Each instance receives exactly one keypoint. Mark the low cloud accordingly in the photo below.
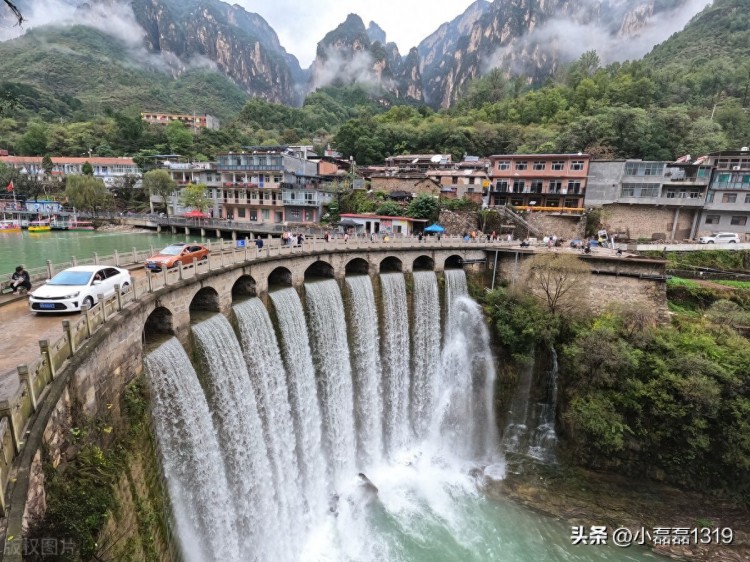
(358, 69)
(618, 32)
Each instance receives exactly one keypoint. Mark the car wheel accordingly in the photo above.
(177, 264)
(710, 242)
(204, 258)
(125, 288)
(89, 301)
(733, 241)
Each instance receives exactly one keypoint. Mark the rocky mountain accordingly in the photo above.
(352, 53)
(533, 37)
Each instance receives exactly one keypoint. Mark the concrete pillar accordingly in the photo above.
(674, 222)
(6, 411)
(203, 232)
(23, 374)
(44, 347)
(69, 334)
(187, 231)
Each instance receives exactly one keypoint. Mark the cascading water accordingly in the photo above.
(420, 505)
(327, 326)
(303, 396)
(515, 437)
(267, 375)
(235, 413)
(425, 350)
(365, 353)
(395, 353)
(191, 459)
(455, 286)
(544, 440)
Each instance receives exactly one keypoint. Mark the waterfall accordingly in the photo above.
(365, 353)
(268, 378)
(455, 286)
(515, 435)
(191, 459)
(425, 350)
(327, 327)
(466, 419)
(544, 439)
(235, 413)
(395, 353)
(303, 396)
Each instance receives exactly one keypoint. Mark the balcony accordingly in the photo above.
(662, 201)
(221, 167)
(738, 207)
(300, 202)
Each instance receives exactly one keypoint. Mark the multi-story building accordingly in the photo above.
(191, 120)
(539, 182)
(419, 162)
(649, 199)
(186, 173)
(108, 169)
(727, 205)
(255, 183)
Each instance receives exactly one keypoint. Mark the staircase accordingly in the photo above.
(519, 221)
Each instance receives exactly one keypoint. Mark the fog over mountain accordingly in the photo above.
(530, 37)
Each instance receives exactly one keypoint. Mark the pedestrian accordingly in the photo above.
(346, 236)
(420, 236)
(510, 237)
(21, 280)
(494, 235)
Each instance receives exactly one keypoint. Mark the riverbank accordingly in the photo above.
(121, 228)
(588, 498)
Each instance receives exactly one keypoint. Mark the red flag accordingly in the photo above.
(10, 186)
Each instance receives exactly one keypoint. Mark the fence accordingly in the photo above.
(17, 410)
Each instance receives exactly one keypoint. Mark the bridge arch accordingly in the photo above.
(424, 263)
(205, 300)
(245, 287)
(391, 264)
(319, 269)
(357, 266)
(454, 262)
(280, 277)
(160, 323)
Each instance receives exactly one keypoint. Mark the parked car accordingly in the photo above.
(177, 255)
(70, 289)
(720, 238)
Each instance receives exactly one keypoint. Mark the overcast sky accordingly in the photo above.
(300, 24)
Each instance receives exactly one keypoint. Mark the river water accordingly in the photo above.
(34, 249)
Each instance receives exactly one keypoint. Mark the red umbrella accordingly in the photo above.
(195, 215)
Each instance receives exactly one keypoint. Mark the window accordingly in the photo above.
(253, 215)
(241, 213)
(640, 190)
(454, 179)
(294, 214)
(471, 181)
(539, 165)
(536, 186)
(747, 198)
(501, 186)
(712, 219)
(738, 221)
(309, 215)
(574, 187)
(558, 165)
(627, 191)
(697, 195)
(555, 186)
(522, 165)
(518, 186)
(277, 179)
(266, 214)
(644, 168)
(503, 165)
(729, 198)
(571, 203)
(576, 165)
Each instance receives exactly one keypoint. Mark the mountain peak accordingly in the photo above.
(376, 33)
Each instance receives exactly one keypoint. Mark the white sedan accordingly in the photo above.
(70, 289)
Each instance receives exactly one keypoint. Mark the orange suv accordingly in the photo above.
(177, 255)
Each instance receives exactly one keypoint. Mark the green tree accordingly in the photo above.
(86, 192)
(34, 141)
(47, 165)
(389, 209)
(195, 195)
(87, 169)
(424, 206)
(159, 184)
(180, 138)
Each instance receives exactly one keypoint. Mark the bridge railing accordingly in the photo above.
(34, 378)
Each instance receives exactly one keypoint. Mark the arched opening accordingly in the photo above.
(244, 288)
(454, 262)
(280, 277)
(391, 265)
(357, 266)
(158, 326)
(205, 300)
(424, 263)
(319, 269)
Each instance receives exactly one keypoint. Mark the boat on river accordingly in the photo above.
(40, 226)
(10, 226)
(80, 225)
